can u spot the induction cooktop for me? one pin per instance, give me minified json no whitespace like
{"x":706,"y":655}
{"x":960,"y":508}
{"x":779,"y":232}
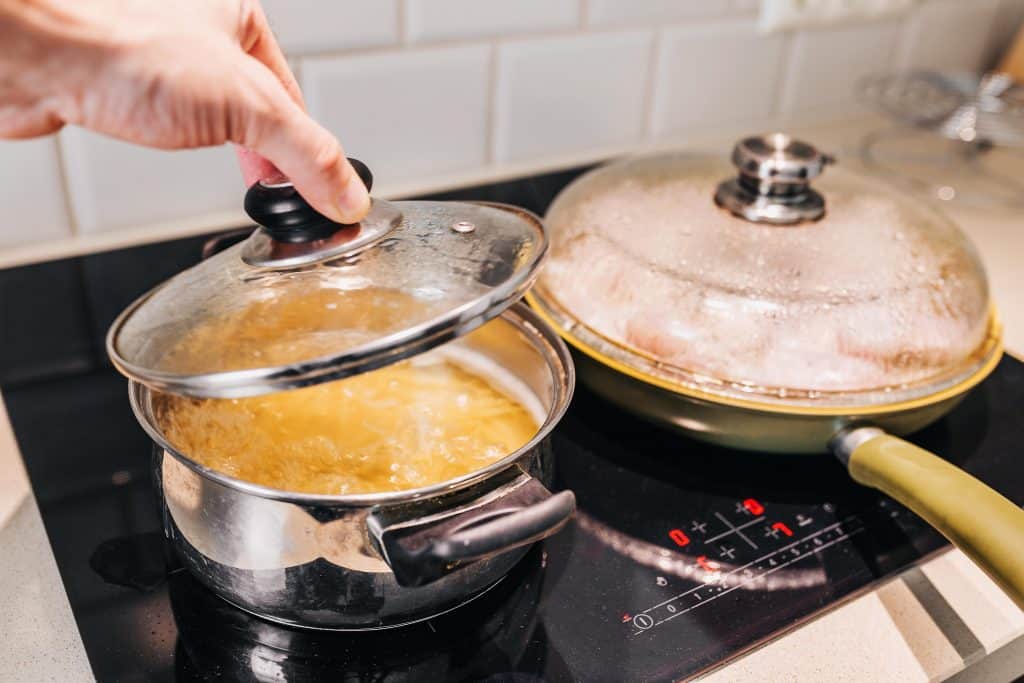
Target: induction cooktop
{"x":681,"y":557}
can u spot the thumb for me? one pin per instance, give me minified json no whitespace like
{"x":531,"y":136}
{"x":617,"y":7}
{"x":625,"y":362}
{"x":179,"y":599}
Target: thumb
{"x":272,"y":126}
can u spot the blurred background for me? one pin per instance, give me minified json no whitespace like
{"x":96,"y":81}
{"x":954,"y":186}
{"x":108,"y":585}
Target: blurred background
{"x":436,"y":94}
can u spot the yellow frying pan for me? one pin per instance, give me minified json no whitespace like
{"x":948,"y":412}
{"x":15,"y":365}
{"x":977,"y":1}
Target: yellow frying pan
{"x":757,"y":281}
{"x":986,"y":526}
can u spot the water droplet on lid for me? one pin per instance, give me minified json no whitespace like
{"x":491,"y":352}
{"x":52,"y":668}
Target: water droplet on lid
{"x":463,"y":227}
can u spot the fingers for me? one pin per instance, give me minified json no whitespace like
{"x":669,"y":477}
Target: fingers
{"x":18,"y":124}
{"x":260,"y":43}
{"x":266,"y":120}
{"x":254,"y":167}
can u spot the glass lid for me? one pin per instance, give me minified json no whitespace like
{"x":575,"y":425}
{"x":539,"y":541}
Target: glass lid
{"x":304,"y":301}
{"x":741,"y":280}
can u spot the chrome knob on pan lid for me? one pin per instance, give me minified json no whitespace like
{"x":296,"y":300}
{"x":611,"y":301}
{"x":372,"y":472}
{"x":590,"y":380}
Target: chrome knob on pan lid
{"x":773,"y":184}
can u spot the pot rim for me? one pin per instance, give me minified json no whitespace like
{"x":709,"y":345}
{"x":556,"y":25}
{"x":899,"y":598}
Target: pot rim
{"x":546,"y":341}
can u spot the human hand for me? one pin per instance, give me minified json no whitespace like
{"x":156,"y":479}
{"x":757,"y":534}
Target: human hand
{"x":172,"y":75}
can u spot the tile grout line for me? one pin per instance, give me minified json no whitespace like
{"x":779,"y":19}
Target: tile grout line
{"x":653,"y":72}
{"x":526,"y":36}
{"x":787,"y":66}
{"x":490,"y":133}
{"x":401,"y":16}
{"x":65,"y":185}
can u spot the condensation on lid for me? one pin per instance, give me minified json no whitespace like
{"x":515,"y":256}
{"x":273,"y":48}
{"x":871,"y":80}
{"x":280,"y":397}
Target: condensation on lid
{"x":226,"y":329}
{"x":880,"y":293}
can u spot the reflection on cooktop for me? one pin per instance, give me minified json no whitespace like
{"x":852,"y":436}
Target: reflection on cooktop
{"x":493,"y":634}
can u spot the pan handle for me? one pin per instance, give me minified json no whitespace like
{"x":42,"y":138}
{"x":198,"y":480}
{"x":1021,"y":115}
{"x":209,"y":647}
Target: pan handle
{"x":421,"y":551}
{"x":982,"y":523}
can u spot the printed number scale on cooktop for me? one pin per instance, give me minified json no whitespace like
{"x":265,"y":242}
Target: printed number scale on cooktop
{"x":682,"y":555}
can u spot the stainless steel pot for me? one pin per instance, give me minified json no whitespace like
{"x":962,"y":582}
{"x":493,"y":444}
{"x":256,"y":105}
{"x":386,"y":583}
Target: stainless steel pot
{"x":303,"y":301}
{"x":374,"y":560}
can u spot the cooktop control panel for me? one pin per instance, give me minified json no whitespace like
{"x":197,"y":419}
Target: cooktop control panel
{"x":748,"y":548}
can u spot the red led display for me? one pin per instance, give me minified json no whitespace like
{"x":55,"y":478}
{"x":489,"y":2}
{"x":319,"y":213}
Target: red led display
{"x":753,"y":507}
{"x":679,"y":538}
{"x":783,"y":528}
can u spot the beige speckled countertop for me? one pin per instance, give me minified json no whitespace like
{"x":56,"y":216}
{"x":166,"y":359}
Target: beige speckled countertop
{"x":931,"y":623}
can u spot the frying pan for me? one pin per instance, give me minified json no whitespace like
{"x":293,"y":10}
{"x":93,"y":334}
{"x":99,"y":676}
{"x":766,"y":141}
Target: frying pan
{"x":984,"y":524}
{"x":864,"y":433}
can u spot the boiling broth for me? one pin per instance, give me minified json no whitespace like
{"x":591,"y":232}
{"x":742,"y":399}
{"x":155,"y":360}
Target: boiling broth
{"x":408,"y":425}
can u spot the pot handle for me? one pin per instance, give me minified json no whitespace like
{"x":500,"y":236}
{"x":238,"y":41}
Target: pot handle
{"x":987,"y":527}
{"x":423,"y":550}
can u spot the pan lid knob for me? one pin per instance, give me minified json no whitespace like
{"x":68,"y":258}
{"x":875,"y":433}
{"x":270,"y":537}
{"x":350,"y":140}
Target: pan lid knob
{"x":773,"y":183}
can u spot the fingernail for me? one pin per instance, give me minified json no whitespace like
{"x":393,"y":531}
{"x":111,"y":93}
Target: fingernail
{"x":353,"y":203}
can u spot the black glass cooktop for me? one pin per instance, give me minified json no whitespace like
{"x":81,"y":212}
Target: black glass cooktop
{"x":681,"y":557}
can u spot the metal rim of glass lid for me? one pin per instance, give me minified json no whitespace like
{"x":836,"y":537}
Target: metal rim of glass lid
{"x":741,"y":281}
{"x":323,"y":300}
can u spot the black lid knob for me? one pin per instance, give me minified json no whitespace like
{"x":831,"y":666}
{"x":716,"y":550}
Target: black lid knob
{"x":283,"y":213}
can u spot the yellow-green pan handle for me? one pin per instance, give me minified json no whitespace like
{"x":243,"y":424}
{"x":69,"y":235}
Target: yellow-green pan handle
{"x":987,"y":527}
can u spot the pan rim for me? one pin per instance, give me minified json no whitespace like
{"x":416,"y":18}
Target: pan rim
{"x":992,"y":350}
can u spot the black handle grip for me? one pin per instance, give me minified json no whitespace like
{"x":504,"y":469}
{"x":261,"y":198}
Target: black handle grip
{"x":283,"y":213}
{"x":424,"y":550}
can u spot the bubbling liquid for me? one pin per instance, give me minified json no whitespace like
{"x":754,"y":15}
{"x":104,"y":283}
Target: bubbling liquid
{"x":408,"y":425}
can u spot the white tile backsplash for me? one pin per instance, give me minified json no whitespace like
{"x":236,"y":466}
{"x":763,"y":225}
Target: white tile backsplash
{"x":609,"y":12}
{"x":114,"y":185}
{"x":31,"y":193}
{"x":405,"y":114}
{"x":323,"y":25}
{"x":826,"y":64}
{"x":715,"y":74}
{"x":565,"y":95}
{"x":428,"y":20}
{"x":436,"y":93}
{"x":949,"y":35}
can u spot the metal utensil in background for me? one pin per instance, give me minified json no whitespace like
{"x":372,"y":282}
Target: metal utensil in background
{"x":957,"y":136}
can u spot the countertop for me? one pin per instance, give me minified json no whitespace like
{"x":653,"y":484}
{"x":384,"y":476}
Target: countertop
{"x":941,"y":619}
